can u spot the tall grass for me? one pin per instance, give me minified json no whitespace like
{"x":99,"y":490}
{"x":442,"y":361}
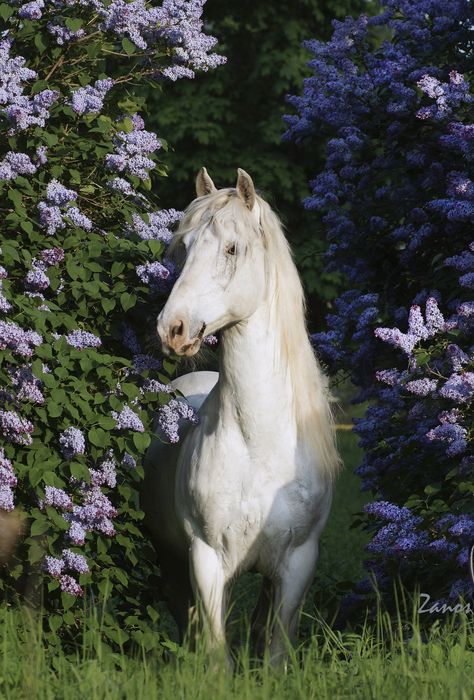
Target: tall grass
{"x":385,"y":660}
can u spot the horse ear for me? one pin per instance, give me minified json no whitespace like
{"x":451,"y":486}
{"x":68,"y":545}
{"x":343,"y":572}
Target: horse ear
{"x":204,"y":184}
{"x":245,"y":188}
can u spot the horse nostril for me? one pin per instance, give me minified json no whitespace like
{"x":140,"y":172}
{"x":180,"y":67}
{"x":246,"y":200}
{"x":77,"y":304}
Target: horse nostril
{"x":177,"y":329}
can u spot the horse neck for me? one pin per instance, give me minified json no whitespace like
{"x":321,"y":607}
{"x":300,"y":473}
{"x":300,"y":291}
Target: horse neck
{"x":255,"y":389}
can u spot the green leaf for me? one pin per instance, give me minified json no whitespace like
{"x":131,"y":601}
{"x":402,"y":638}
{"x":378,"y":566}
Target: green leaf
{"x":6,"y":11}
{"x":128,"y":47}
{"x":98,"y":437}
{"x":54,"y":409}
{"x":127,"y":300}
{"x":39,"y":527}
{"x":40,"y":43}
{"x":73,"y":23}
{"x":141,"y":441}
{"x":108,"y":304}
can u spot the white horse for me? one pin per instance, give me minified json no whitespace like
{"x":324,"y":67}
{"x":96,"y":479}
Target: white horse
{"x":249,"y":488}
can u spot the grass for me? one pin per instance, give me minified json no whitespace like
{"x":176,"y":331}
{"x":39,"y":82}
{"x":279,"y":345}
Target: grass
{"x":386,"y":660}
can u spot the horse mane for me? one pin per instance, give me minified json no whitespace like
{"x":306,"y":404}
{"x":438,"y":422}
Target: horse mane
{"x":313,"y":416}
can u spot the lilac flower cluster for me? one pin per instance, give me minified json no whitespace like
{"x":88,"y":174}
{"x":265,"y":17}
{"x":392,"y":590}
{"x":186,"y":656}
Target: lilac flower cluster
{"x":8,"y":481}
{"x":106,"y":475}
{"x":153,"y":274}
{"x":176,"y":22}
{"x":396,"y":200}
{"x":20,"y":110}
{"x":128,"y":420}
{"x":62,"y":34}
{"x":171,"y":414}
{"x":80,"y":340}
{"x":90,"y":99}
{"x":95,"y":514}
{"x":27,"y":386}
{"x":72,"y":442}
{"x":5,"y":305}
{"x":157,"y":226}
{"x":15,"y":164}
{"x":132,"y":152}
{"x":52,"y":213}
{"x":19,"y":341}
{"x":15,"y":429}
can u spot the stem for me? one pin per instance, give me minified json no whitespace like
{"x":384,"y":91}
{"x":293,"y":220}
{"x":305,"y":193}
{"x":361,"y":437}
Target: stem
{"x":58,"y":63}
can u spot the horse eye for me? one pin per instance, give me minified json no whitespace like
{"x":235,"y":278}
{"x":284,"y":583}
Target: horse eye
{"x":230,"y":250}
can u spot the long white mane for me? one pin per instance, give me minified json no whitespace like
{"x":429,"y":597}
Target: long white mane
{"x":310,"y":398}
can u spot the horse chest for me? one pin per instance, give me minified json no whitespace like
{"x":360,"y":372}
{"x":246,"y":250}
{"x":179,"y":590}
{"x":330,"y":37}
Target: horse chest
{"x":244,"y":498}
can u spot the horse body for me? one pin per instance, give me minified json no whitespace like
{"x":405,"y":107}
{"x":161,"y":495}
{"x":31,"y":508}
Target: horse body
{"x":250,"y":487}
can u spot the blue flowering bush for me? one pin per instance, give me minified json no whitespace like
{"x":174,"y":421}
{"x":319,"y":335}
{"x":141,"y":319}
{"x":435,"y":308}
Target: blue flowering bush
{"x":81,"y":273}
{"x":392,"y":97}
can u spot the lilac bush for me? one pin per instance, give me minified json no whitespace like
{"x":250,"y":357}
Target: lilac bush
{"x":392,"y":97}
{"x":81,"y":266}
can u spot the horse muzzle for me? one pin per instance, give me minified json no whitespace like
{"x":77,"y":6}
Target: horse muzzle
{"x":175,"y":337}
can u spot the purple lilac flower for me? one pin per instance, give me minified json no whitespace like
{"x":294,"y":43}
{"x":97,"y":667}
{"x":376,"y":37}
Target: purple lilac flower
{"x":403,"y":341}
{"x":31,"y":10}
{"x":76,"y":533}
{"x":50,"y":218}
{"x":152,"y":273}
{"x":27,"y":386}
{"x":69,"y":585}
{"x":128,"y":461}
{"x":17,"y":340}
{"x":156,"y":387}
{"x":459,"y":387}
{"x":15,"y":428}
{"x":131,"y":153}
{"x":389,"y":376}
{"x":62,"y":34}
{"x":58,"y":195}
{"x":170,"y":415}
{"x":80,"y":340}
{"x":434,"y":318}
{"x":416,"y":323}
{"x":96,"y":513}
{"x":421,"y":387}
{"x":143,"y":362}
{"x":90,"y":99}
{"x":57,"y":498}
{"x":157,"y":227}
{"x":36,"y":279}
{"x":53,"y":566}
{"x":128,"y":420}
{"x":75,"y":562}
{"x":120,"y":185}
{"x":211,"y":340}
{"x":41,"y":158}
{"x":8,"y":481}
{"x":72,"y":442}
{"x":456,"y":356}
{"x":106,"y":475}
{"x":451,"y":433}
{"x":130,"y":339}
{"x":79,"y":219}
{"x":15,"y":164}
{"x":52,"y":256}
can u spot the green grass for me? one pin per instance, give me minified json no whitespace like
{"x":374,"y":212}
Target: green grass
{"x":386,"y":660}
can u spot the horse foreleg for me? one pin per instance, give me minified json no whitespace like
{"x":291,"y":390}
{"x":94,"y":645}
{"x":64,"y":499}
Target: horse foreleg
{"x":209,"y":583}
{"x":291,"y":585}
